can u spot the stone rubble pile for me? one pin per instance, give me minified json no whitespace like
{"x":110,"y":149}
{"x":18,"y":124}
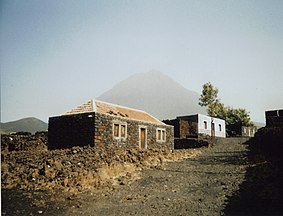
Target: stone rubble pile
{"x":80,"y":168}
{"x":24,"y":141}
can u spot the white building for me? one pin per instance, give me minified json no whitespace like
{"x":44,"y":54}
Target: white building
{"x":207,"y":125}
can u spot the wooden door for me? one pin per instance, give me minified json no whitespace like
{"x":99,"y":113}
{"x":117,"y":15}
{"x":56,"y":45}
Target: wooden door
{"x":142,"y":138}
{"x":212,"y":129}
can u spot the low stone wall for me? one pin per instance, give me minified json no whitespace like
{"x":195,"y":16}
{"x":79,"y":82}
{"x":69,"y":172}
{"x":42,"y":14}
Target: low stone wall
{"x":24,"y":142}
{"x":81,"y":168}
{"x":190,"y":143}
{"x":269,"y":142}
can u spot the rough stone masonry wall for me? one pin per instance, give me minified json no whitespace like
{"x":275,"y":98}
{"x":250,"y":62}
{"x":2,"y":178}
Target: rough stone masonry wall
{"x":274,"y":118}
{"x":24,"y":141}
{"x":175,"y":123}
{"x":104,"y":133}
{"x":71,"y":130}
{"x":183,"y":128}
{"x":188,"y":129}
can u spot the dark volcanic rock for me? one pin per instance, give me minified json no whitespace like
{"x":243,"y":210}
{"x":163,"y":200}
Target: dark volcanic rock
{"x":24,"y":141}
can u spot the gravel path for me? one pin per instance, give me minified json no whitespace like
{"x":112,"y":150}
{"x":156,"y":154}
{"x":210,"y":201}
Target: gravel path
{"x":197,"y":186}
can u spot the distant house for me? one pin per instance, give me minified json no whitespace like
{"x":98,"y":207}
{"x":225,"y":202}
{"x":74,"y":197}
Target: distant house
{"x":197,"y":125}
{"x":98,"y":123}
{"x":249,"y":131}
{"x":238,"y":130}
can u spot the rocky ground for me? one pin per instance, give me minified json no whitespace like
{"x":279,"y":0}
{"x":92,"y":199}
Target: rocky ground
{"x":198,"y":186}
{"x":224,"y":179}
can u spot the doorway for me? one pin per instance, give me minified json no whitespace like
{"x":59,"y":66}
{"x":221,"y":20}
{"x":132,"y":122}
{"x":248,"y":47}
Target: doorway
{"x":143,"y":135}
{"x":212,"y":129}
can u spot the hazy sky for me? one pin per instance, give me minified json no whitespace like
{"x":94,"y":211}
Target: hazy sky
{"x":57,"y":54}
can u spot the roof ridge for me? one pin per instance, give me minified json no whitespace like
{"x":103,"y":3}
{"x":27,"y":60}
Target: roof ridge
{"x":78,"y":108}
{"x":121,"y":106}
{"x":92,"y":106}
{"x":129,"y":108}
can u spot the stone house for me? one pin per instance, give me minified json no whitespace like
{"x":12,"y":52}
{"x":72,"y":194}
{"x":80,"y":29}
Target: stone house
{"x":193,"y":126}
{"x":97,"y":123}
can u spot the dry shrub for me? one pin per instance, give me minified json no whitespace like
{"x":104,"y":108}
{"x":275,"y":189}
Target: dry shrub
{"x":58,"y":164}
{"x":116,"y":170}
{"x":87,"y":181}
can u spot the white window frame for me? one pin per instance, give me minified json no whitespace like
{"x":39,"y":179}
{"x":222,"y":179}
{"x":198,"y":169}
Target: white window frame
{"x":119,"y":137}
{"x":162,"y":132}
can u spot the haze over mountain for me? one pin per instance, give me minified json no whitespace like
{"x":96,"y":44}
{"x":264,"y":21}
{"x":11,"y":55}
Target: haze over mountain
{"x":31,"y":125}
{"x":156,"y":94}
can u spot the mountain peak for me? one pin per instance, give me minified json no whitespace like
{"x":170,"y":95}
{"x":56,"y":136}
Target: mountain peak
{"x":154,"y":71}
{"x":149,"y":75}
{"x":156,"y":93}
{"x":29,"y":124}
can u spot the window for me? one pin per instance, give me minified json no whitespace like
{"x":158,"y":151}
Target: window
{"x":119,"y":131}
{"x":219,"y":127}
{"x":161,"y":135}
{"x":116,"y":130}
{"x":205,"y":124}
{"x":123,"y":131}
{"x":158,"y":134}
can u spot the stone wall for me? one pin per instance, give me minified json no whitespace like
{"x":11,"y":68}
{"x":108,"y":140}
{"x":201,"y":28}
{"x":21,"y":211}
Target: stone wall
{"x":188,"y":129}
{"x":104,"y":133}
{"x":175,"y":124}
{"x":80,"y":169}
{"x":274,"y":118}
{"x":234,"y":129}
{"x":183,"y":128}
{"x":71,"y":130}
{"x":187,"y":143}
{"x":24,"y":141}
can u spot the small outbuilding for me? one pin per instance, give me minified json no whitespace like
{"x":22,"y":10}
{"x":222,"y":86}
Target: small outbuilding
{"x":98,"y":123}
{"x":197,"y":125}
{"x":238,"y":129}
{"x":249,"y":131}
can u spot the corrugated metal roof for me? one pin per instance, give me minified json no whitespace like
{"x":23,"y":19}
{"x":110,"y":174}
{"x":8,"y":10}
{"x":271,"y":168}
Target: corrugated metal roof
{"x":114,"y":110}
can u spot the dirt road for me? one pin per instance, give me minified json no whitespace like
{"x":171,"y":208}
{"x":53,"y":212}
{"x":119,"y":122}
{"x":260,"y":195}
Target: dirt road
{"x":198,"y":186}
